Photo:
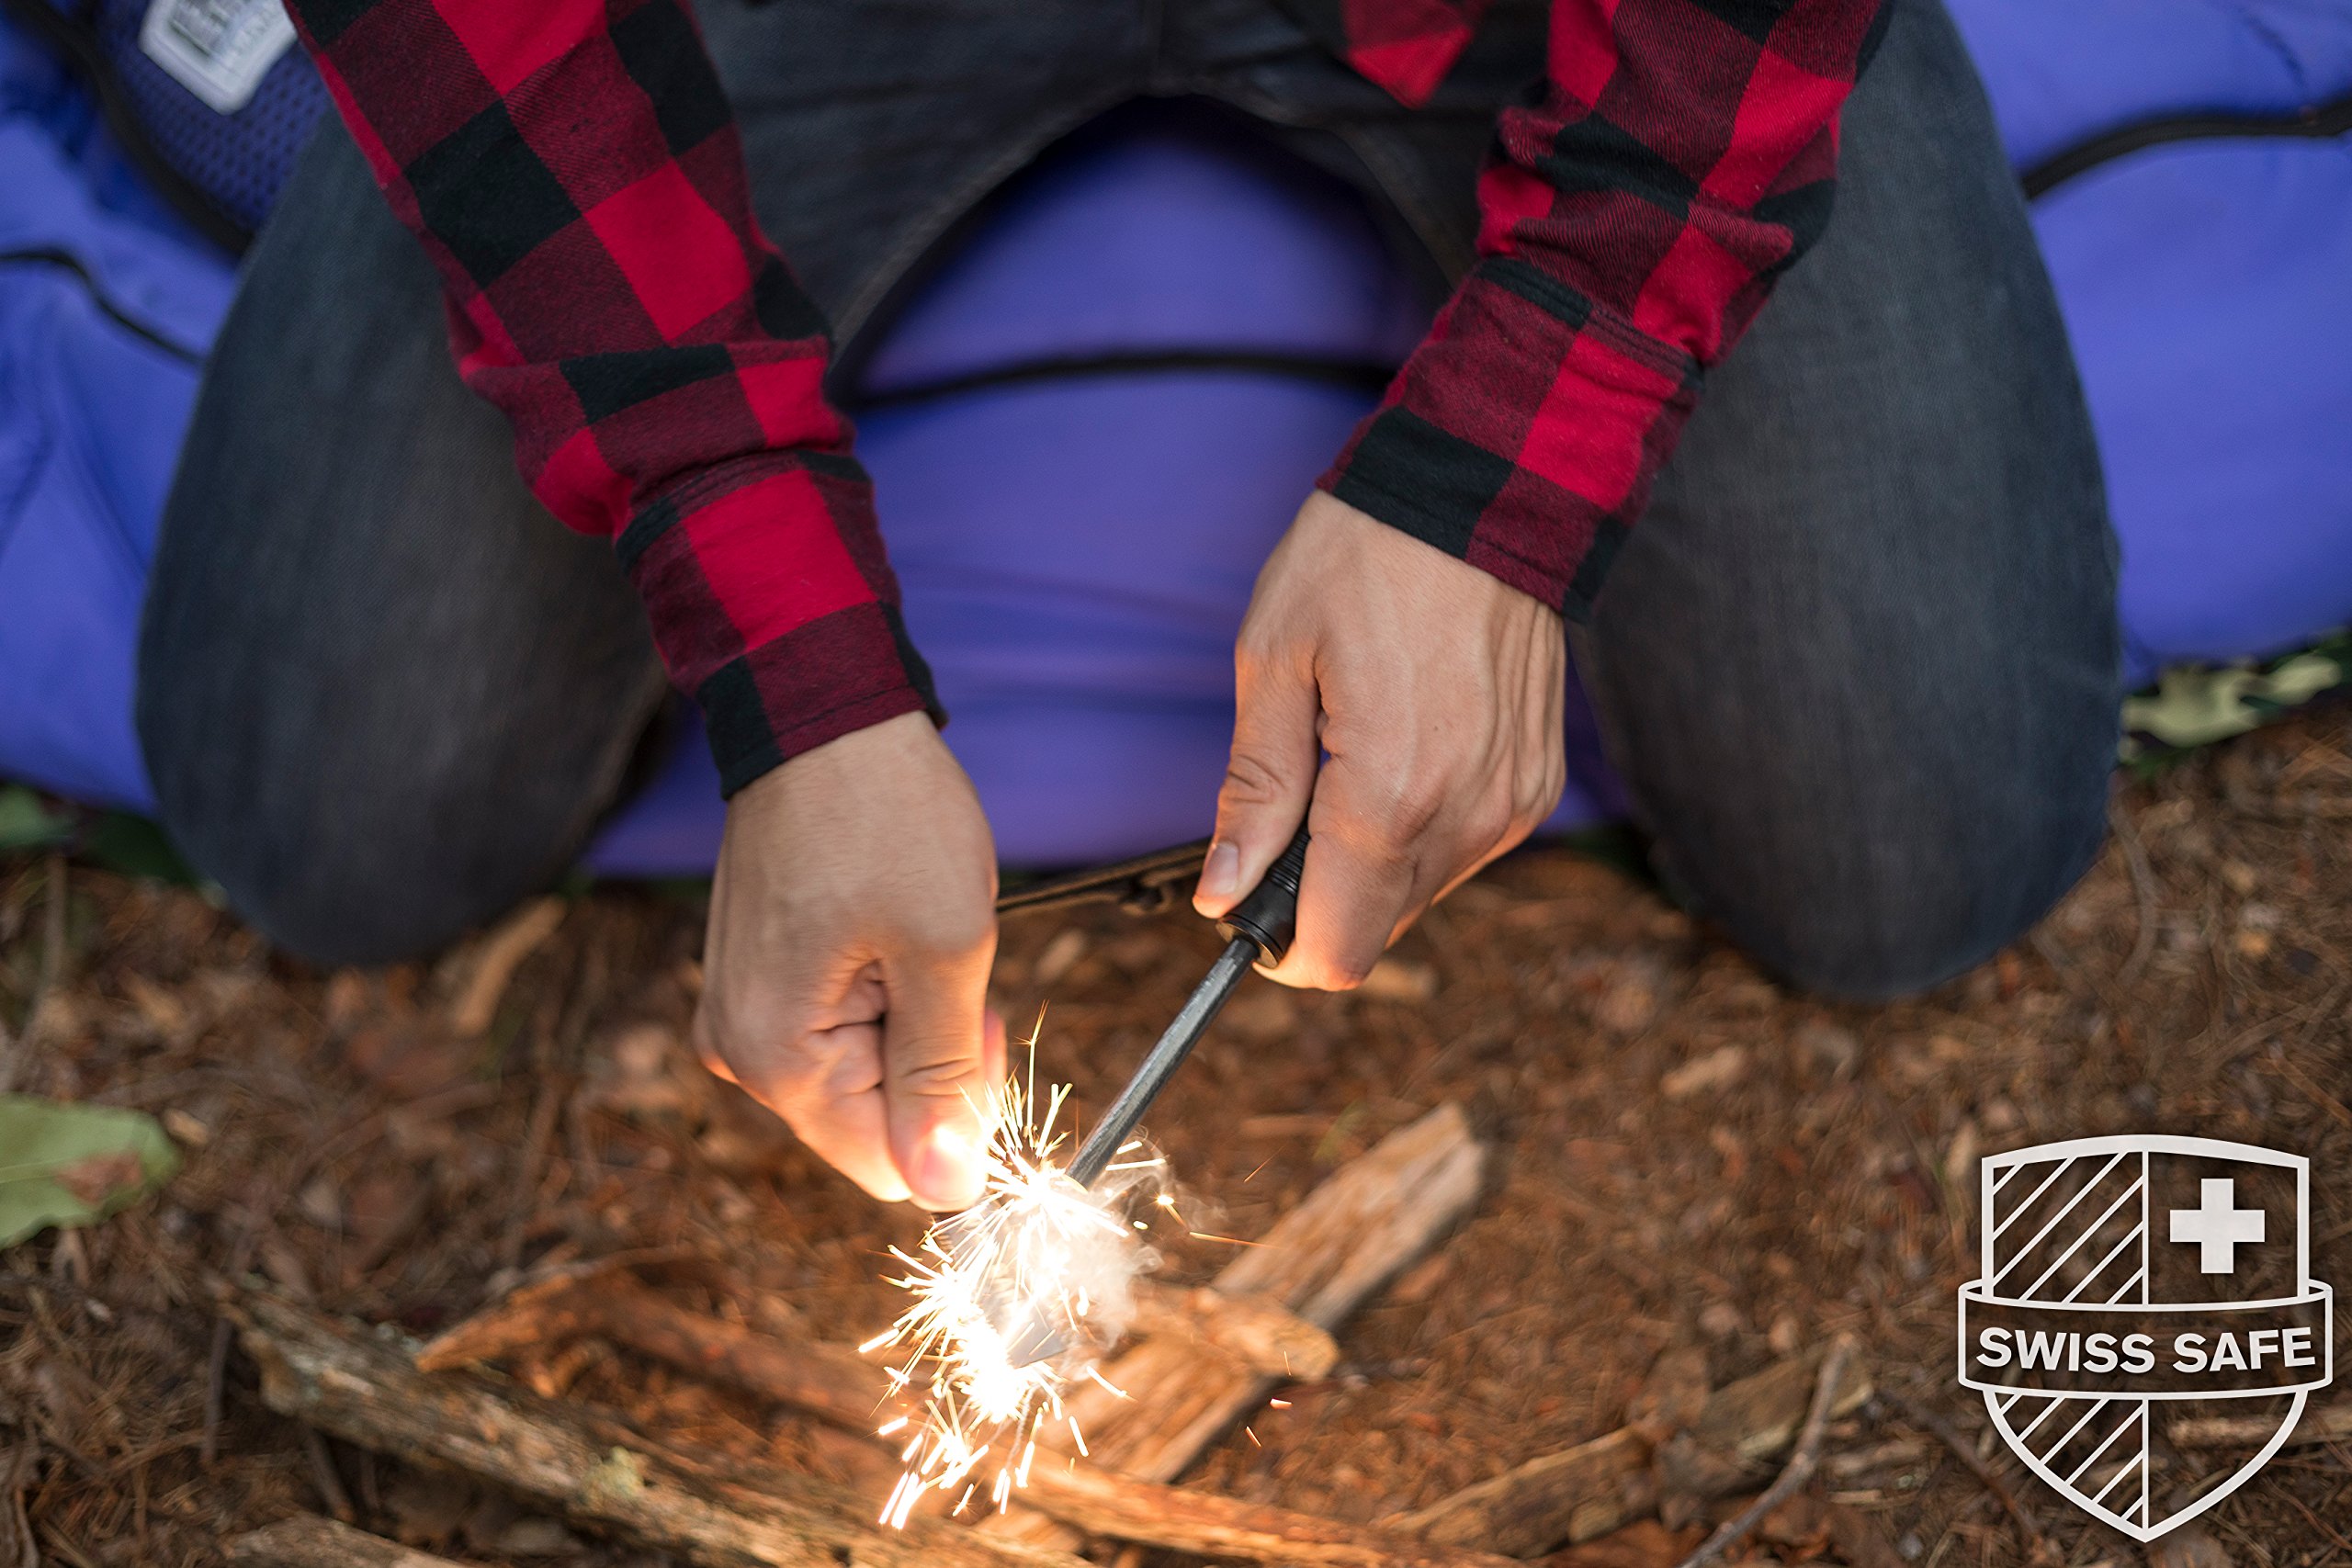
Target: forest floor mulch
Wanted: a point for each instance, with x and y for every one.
(1687, 1154)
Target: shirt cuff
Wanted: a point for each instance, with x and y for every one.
(1523, 434)
(775, 608)
(815, 684)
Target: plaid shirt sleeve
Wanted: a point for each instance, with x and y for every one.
(1632, 221)
(574, 171)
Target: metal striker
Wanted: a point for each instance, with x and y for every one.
(1260, 928)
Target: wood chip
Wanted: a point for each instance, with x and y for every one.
(1719, 1068)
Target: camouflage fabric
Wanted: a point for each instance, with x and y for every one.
(2193, 705)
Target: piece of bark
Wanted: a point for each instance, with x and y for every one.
(1574, 1494)
(1673, 1396)
(830, 1382)
(1369, 1221)
(2320, 1424)
(1804, 1457)
(1756, 1417)
(307, 1540)
(711, 1510)
(1579, 1493)
(1261, 1334)
(600, 1299)
(1217, 1350)
(534, 1315)
(1320, 1261)
(1689, 1474)
(1209, 1524)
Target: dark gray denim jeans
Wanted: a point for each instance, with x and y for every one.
(1858, 664)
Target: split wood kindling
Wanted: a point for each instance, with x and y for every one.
(1206, 1358)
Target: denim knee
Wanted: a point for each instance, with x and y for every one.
(1887, 921)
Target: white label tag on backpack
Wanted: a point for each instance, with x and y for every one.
(219, 49)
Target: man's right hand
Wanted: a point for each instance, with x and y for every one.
(853, 922)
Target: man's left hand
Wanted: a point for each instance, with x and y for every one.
(1430, 690)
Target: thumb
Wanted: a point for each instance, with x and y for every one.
(935, 1044)
(1268, 781)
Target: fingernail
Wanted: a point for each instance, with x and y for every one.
(1221, 876)
(946, 1173)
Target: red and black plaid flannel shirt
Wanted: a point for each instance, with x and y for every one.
(574, 169)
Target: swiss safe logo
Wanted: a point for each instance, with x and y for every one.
(2128, 1282)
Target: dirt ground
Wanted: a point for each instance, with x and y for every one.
(1686, 1154)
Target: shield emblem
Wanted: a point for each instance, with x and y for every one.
(2133, 1284)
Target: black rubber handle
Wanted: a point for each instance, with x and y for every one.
(1269, 915)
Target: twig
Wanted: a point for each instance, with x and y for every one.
(2320, 1424)
(2135, 860)
(1965, 1451)
(15, 1057)
(553, 1059)
(52, 935)
(502, 952)
(16, 1470)
(64, 1546)
(323, 1476)
(2317, 1524)
(549, 1101)
(1802, 1460)
(307, 1542)
(2302, 1081)
(215, 1392)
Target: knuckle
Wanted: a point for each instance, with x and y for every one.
(1251, 780)
(941, 1076)
(1490, 821)
(761, 1042)
(1405, 812)
(950, 936)
(732, 1027)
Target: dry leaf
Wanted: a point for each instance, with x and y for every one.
(97, 1178)
(63, 1164)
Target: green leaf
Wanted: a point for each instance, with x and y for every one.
(132, 846)
(65, 1164)
(26, 824)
